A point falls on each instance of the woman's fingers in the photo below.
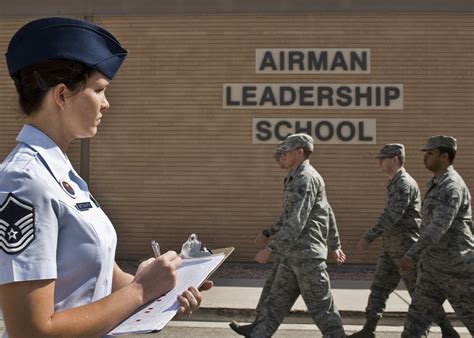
(184, 307)
(172, 257)
(208, 284)
(189, 301)
(169, 260)
(195, 298)
(158, 275)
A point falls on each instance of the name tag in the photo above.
(83, 206)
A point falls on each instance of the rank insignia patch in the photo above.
(17, 225)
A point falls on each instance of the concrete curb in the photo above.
(236, 299)
(302, 317)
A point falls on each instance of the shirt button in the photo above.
(109, 250)
(105, 282)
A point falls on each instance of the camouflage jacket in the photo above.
(399, 224)
(307, 224)
(446, 230)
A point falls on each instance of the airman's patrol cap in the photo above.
(391, 150)
(295, 141)
(440, 141)
(63, 38)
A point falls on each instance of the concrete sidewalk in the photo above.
(236, 299)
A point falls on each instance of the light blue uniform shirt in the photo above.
(50, 225)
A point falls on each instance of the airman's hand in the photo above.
(363, 244)
(407, 264)
(339, 256)
(261, 239)
(263, 256)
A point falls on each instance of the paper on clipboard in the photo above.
(155, 315)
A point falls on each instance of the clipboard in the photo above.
(156, 314)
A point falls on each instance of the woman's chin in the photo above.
(90, 133)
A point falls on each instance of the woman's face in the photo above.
(84, 109)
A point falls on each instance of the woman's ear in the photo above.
(59, 95)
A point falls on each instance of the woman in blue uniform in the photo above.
(58, 276)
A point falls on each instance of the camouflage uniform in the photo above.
(270, 231)
(399, 226)
(446, 247)
(333, 237)
(267, 287)
(301, 241)
(445, 251)
(239, 328)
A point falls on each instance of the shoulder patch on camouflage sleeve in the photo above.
(17, 225)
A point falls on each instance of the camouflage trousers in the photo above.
(294, 277)
(386, 278)
(267, 287)
(436, 282)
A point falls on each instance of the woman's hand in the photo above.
(157, 276)
(190, 300)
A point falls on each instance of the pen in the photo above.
(156, 248)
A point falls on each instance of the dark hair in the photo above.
(307, 153)
(33, 82)
(450, 151)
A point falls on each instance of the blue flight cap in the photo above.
(63, 38)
